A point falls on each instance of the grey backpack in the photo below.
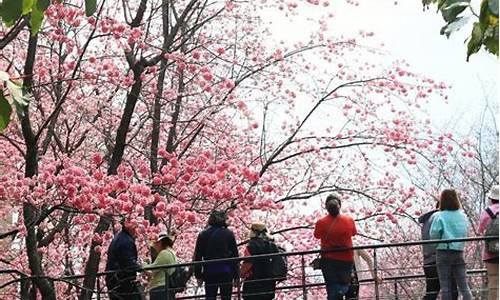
(492, 230)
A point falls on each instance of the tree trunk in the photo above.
(92, 265)
(30, 212)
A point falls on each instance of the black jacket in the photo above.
(260, 266)
(215, 242)
(256, 287)
(122, 254)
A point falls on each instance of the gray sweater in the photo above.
(428, 250)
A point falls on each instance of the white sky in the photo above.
(410, 33)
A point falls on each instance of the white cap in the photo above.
(493, 193)
(166, 235)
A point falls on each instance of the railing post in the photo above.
(98, 288)
(238, 288)
(396, 296)
(167, 291)
(375, 270)
(304, 288)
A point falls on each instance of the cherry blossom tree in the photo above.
(163, 110)
(472, 170)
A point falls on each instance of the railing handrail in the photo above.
(70, 279)
(319, 284)
(286, 254)
(415, 276)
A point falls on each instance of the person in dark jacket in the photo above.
(258, 285)
(432, 286)
(122, 257)
(216, 242)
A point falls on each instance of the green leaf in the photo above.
(27, 5)
(42, 5)
(441, 4)
(489, 27)
(490, 40)
(493, 7)
(36, 20)
(428, 2)
(484, 14)
(5, 112)
(452, 8)
(475, 40)
(11, 11)
(90, 7)
(449, 28)
(457, 4)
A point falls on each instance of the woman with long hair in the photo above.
(450, 223)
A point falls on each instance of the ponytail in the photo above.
(333, 205)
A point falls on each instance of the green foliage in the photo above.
(5, 112)
(27, 5)
(475, 40)
(13, 10)
(452, 8)
(454, 26)
(42, 5)
(493, 7)
(36, 19)
(484, 33)
(90, 7)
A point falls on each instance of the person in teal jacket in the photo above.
(450, 223)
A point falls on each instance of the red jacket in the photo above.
(336, 233)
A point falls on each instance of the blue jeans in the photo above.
(337, 274)
(451, 264)
(432, 286)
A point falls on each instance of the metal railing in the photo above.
(304, 282)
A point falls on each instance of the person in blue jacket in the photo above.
(216, 242)
(432, 286)
(450, 223)
(122, 258)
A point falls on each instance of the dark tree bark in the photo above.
(31, 212)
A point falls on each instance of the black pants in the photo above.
(123, 289)
(214, 282)
(432, 286)
(122, 292)
(158, 293)
(259, 289)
